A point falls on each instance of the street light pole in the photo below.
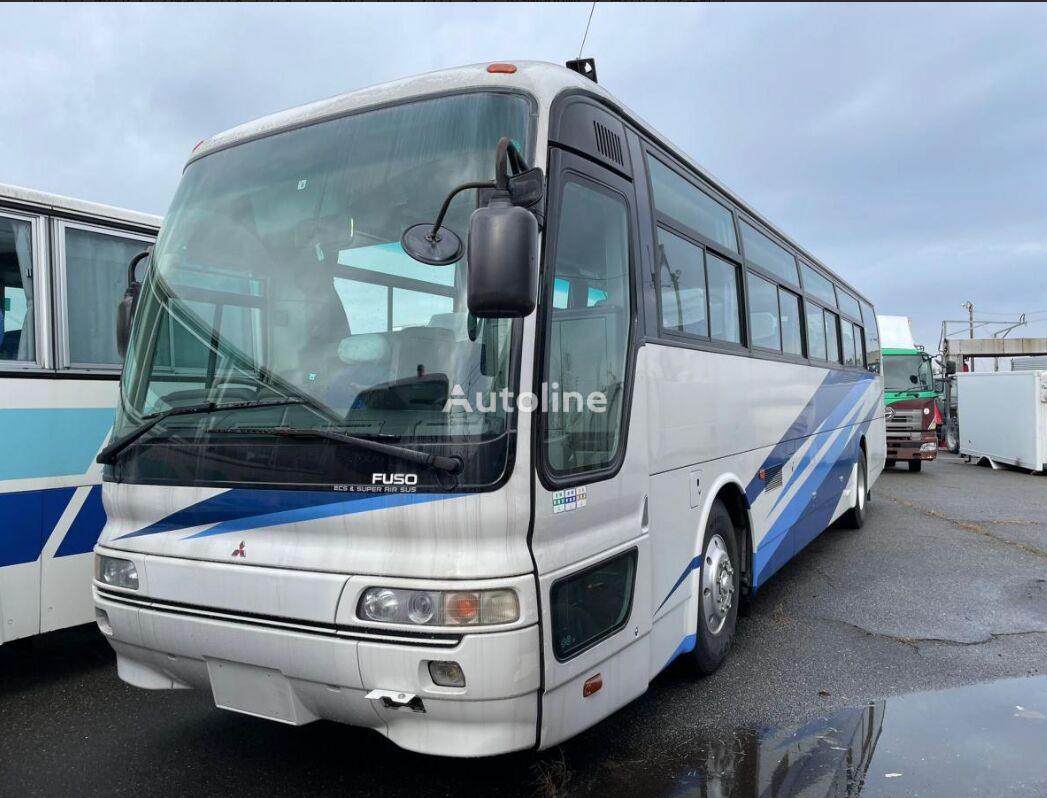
(970, 320)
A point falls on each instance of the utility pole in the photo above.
(970, 319)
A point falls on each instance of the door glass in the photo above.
(588, 345)
(17, 331)
(96, 276)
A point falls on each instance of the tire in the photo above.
(717, 608)
(952, 440)
(855, 517)
(916, 465)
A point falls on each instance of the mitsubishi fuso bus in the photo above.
(459, 407)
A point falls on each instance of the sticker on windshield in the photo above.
(571, 499)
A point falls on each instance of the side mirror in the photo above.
(503, 261)
(125, 311)
(950, 366)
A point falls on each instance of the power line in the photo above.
(587, 24)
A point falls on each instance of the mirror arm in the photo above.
(133, 265)
(447, 203)
(507, 155)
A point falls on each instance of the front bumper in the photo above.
(905, 448)
(301, 673)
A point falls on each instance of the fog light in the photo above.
(116, 572)
(447, 674)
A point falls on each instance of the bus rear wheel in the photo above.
(719, 594)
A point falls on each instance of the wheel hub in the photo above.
(717, 584)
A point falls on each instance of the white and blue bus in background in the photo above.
(63, 270)
(472, 495)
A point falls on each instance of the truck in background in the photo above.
(909, 395)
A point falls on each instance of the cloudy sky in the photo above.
(906, 146)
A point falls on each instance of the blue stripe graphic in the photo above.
(835, 398)
(86, 527)
(51, 442)
(239, 510)
(28, 518)
(325, 510)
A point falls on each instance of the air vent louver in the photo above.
(608, 143)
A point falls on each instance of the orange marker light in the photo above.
(201, 141)
(501, 69)
(592, 685)
(463, 607)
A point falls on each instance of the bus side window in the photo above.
(832, 337)
(17, 339)
(588, 340)
(95, 265)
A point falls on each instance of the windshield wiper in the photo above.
(109, 454)
(449, 465)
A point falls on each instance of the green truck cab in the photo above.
(912, 409)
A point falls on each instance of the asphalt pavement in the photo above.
(945, 586)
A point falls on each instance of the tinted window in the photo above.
(765, 253)
(818, 285)
(681, 275)
(592, 605)
(588, 345)
(848, 304)
(859, 346)
(17, 330)
(792, 339)
(676, 197)
(96, 276)
(724, 310)
(815, 332)
(763, 313)
(847, 339)
(832, 344)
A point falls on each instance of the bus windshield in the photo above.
(907, 373)
(279, 273)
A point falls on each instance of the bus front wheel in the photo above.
(719, 582)
(855, 517)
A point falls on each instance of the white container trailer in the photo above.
(1004, 417)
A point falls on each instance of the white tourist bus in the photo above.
(63, 269)
(329, 492)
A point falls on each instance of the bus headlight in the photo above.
(439, 608)
(116, 572)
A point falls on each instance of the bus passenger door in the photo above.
(589, 539)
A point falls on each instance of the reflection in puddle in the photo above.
(989, 739)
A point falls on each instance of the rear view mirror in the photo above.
(125, 311)
(503, 261)
(950, 366)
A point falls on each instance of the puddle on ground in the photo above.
(985, 740)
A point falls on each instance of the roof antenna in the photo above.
(585, 66)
